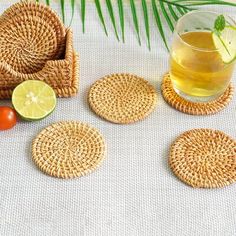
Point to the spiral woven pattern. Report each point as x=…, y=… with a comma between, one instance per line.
x=62, y=75
x=204, y=158
x=30, y=35
x=68, y=149
x=122, y=98
x=180, y=104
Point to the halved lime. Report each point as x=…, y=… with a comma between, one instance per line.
x=226, y=43
x=33, y=100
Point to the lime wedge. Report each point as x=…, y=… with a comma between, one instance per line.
x=226, y=44
x=33, y=100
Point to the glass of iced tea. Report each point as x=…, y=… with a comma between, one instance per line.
x=197, y=70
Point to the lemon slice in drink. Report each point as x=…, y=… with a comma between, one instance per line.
x=33, y=100
x=226, y=44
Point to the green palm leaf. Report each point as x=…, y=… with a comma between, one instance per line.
x=99, y=11
x=185, y=10
x=180, y=10
x=205, y=2
x=166, y=16
x=211, y=3
x=121, y=15
x=83, y=10
x=170, y=10
x=158, y=22
x=111, y=13
x=174, y=15
x=63, y=10
x=146, y=21
x=72, y=2
x=135, y=19
x=176, y=4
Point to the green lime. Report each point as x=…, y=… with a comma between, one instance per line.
x=33, y=100
x=225, y=43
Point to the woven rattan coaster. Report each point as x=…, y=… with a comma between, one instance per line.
x=31, y=34
x=204, y=158
x=173, y=99
x=122, y=98
x=68, y=149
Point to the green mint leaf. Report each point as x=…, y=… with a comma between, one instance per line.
x=219, y=23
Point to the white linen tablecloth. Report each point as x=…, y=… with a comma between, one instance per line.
x=133, y=192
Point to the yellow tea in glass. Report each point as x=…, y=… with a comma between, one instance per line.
x=198, y=71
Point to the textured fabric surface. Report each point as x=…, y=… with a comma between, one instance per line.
x=133, y=192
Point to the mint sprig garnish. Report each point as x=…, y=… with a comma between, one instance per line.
x=219, y=23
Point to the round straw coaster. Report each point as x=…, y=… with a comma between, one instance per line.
x=180, y=104
x=68, y=149
x=122, y=98
x=31, y=34
x=204, y=158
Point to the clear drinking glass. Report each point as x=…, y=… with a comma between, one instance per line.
x=197, y=71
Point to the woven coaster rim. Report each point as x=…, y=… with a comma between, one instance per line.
x=111, y=76
x=190, y=182
x=191, y=108
x=45, y=168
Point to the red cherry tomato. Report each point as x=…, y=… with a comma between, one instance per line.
x=7, y=118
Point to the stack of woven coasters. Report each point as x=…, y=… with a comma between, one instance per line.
x=35, y=45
